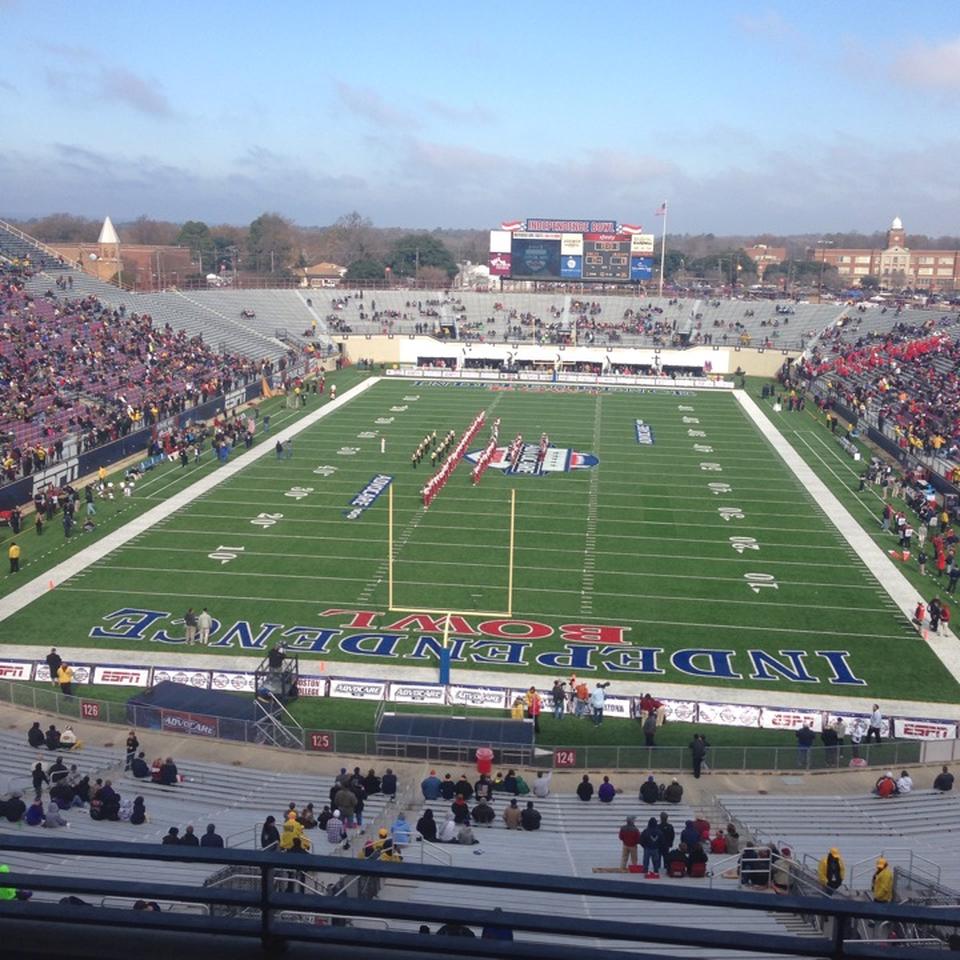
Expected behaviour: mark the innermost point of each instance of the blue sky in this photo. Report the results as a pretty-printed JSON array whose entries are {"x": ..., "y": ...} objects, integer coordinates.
[{"x": 747, "y": 117}]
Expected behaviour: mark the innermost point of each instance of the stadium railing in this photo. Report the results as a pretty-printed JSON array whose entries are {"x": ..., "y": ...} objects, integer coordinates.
[
  {"x": 672, "y": 759},
  {"x": 261, "y": 913}
]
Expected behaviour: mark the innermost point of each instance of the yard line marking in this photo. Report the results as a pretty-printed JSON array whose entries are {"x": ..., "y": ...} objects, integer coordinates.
[
  {"x": 900, "y": 590},
  {"x": 590, "y": 540},
  {"x": 36, "y": 588}
]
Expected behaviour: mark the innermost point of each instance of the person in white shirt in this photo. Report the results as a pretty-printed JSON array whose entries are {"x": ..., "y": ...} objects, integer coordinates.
[
  {"x": 541, "y": 786},
  {"x": 204, "y": 622},
  {"x": 448, "y": 832},
  {"x": 876, "y": 721},
  {"x": 904, "y": 782}
]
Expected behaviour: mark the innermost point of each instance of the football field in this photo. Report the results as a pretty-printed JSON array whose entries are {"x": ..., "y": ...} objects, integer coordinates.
[{"x": 678, "y": 550}]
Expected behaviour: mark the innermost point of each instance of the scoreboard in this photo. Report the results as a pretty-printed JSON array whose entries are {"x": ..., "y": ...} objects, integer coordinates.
[
  {"x": 606, "y": 257},
  {"x": 564, "y": 250}
]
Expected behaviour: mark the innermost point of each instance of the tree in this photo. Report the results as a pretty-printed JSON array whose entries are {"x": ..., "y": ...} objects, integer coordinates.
[
  {"x": 196, "y": 236},
  {"x": 365, "y": 270},
  {"x": 415, "y": 250},
  {"x": 271, "y": 242},
  {"x": 869, "y": 283},
  {"x": 152, "y": 233}
]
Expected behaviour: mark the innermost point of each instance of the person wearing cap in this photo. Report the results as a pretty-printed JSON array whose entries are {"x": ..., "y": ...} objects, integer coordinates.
[
  {"x": 629, "y": 839},
  {"x": 430, "y": 786},
  {"x": 882, "y": 885},
  {"x": 674, "y": 791},
  {"x": 293, "y": 829},
  {"x": 831, "y": 870},
  {"x": 335, "y": 829},
  {"x": 649, "y": 791},
  {"x": 885, "y": 786}
]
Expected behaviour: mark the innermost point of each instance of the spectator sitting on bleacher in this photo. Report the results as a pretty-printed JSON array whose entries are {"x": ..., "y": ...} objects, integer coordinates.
[
  {"x": 448, "y": 788},
  {"x": 541, "y": 786},
  {"x": 448, "y": 831},
  {"x": 169, "y": 775},
  {"x": 400, "y": 831},
  {"x": 106, "y": 804},
  {"x": 483, "y": 813},
  {"x": 13, "y": 808},
  {"x": 733, "y": 839},
  {"x": 530, "y": 818},
  {"x": 388, "y": 785},
  {"x": 944, "y": 780},
  {"x": 34, "y": 814},
  {"x": 430, "y": 786},
  {"x": 371, "y": 782},
  {"x": 885, "y": 786},
  {"x": 585, "y": 789},
  {"x": 52, "y": 738},
  {"x": 649, "y": 791},
  {"x": 463, "y": 788},
  {"x": 35, "y": 736},
  {"x": 512, "y": 816},
  {"x": 52, "y": 818},
  {"x": 306, "y": 817},
  {"x": 697, "y": 861},
  {"x": 674, "y": 792},
  {"x": 904, "y": 782},
  {"x": 138, "y": 815},
  {"x": 68, "y": 739},
  {"x": 465, "y": 836},
  {"x": 324, "y": 818},
  {"x": 171, "y": 838},
  {"x": 675, "y": 862},
  {"x": 139, "y": 768},
  {"x": 460, "y": 810},
  {"x": 719, "y": 843},
  {"x": 607, "y": 791},
  {"x": 427, "y": 826}
]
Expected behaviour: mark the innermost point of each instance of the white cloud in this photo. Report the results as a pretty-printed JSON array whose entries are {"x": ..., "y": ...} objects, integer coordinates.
[{"x": 932, "y": 66}]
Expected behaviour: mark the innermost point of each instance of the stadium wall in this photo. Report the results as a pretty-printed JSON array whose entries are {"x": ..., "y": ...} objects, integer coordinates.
[
  {"x": 72, "y": 468},
  {"x": 400, "y": 349}
]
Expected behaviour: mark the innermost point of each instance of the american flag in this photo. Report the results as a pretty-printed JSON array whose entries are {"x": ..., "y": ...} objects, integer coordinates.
[{"x": 662, "y": 209}]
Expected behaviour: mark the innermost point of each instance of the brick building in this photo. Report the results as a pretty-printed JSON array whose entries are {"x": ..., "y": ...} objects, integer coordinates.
[
  {"x": 764, "y": 256},
  {"x": 896, "y": 266}
]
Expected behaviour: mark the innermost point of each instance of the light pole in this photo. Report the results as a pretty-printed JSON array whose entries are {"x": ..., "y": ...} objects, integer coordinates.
[{"x": 823, "y": 261}]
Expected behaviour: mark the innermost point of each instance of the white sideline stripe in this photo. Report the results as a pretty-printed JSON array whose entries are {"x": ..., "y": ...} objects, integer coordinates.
[
  {"x": 899, "y": 588},
  {"x": 39, "y": 586}
]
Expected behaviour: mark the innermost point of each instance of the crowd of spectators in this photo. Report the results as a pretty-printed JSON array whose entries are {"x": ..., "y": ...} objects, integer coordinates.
[
  {"x": 906, "y": 381},
  {"x": 72, "y": 368}
]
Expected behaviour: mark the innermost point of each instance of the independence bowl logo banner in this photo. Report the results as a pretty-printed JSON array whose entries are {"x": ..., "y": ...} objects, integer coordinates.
[{"x": 531, "y": 464}]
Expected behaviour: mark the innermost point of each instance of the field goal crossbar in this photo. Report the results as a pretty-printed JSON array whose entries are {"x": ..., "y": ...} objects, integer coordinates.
[{"x": 447, "y": 613}]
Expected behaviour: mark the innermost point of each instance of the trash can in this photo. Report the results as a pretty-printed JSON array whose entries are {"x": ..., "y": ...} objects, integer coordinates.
[{"x": 484, "y": 761}]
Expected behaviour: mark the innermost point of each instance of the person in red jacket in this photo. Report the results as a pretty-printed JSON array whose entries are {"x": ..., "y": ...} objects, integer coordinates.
[{"x": 629, "y": 838}]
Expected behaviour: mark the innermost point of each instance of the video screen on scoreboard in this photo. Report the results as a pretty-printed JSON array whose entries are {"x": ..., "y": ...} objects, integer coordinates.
[
  {"x": 536, "y": 259},
  {"x": 606, "y": 256}
]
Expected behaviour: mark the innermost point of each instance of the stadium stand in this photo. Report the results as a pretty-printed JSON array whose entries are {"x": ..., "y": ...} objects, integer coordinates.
[
  {"x": 575, "y": 838},
  {"x": 75, "y": 368},
  {"x": 915, "y": 832}
]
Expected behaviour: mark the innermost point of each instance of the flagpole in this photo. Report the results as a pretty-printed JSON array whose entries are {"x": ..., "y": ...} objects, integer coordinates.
[{"x": 663, "y": 247}]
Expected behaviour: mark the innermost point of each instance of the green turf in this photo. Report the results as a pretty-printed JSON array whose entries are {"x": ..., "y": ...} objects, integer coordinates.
[{"x": 645, "y": 522}]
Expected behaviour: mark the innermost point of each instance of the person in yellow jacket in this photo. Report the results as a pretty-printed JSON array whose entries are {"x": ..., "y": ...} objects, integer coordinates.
[
  {"x": 831, "y": 870},
  {"x": 14, "y": 554},
  {"x": 293, "y": 829},
  {"x": 882, "y": 885},
  {"x": 65, "y": 679}
]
